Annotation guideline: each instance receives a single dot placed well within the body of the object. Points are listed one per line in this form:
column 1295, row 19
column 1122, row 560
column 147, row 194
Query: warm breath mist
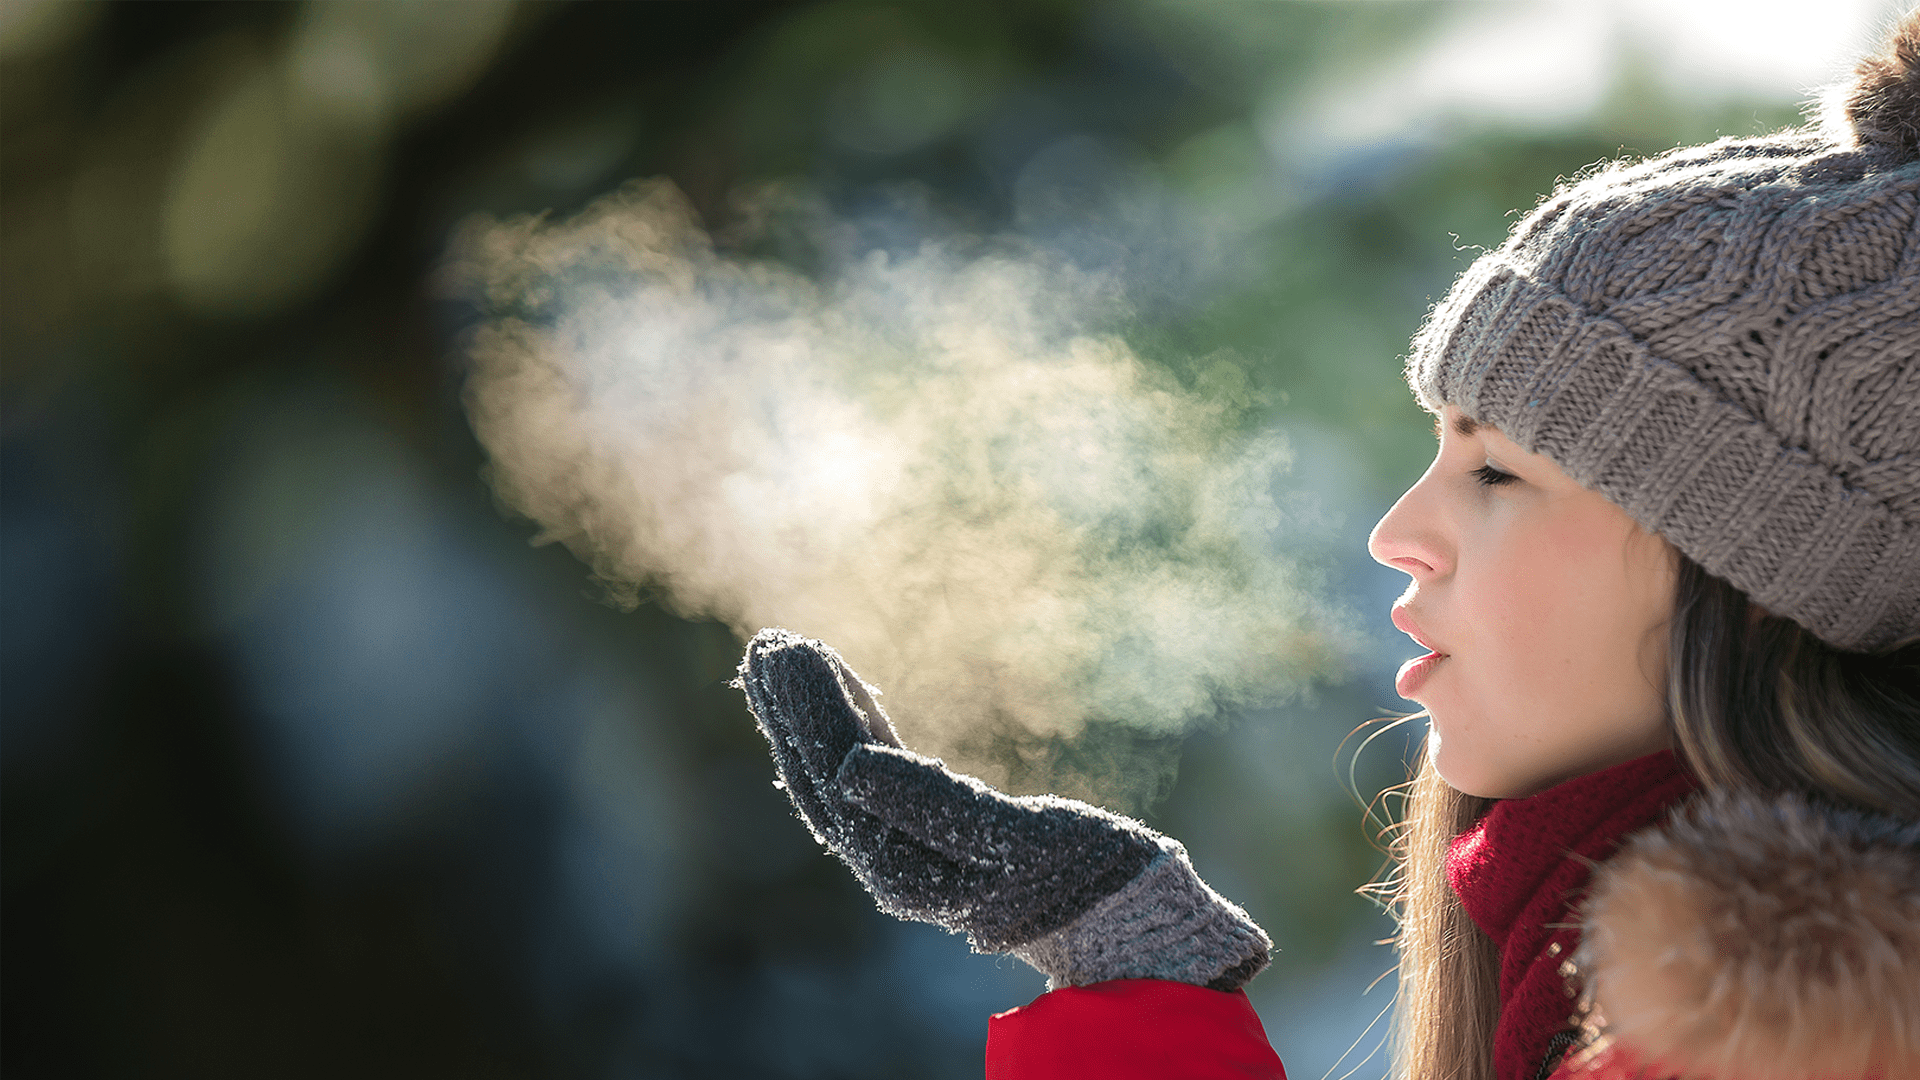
column 941, row 461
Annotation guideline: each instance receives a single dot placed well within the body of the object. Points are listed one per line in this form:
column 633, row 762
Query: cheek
column 1555, row 680
column 1554, row 610
column 1569, row 614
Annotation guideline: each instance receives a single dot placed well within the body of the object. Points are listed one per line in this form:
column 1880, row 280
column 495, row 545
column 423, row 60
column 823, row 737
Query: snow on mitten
column 1082, row 894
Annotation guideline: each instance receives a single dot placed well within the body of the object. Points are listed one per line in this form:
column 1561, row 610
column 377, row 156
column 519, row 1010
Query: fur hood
column 1759, row 941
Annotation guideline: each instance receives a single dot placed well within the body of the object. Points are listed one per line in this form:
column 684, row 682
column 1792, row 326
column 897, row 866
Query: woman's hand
column 1081, row 894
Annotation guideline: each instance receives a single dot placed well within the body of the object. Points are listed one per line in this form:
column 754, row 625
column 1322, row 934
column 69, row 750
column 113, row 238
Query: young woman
column 1667, row 567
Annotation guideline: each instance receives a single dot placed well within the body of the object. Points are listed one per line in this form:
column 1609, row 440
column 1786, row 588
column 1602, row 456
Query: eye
column 1488, row 476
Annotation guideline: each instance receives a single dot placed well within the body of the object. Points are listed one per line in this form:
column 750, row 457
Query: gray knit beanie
column 1725, row 341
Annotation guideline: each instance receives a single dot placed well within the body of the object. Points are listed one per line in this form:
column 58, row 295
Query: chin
column 1463, row 777
column 1470, row 786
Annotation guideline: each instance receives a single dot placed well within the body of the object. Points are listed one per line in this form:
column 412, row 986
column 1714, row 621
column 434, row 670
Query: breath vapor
column 936, row 455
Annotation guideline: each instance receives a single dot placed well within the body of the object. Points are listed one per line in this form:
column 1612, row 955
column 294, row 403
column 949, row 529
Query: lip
column 1414, row 673
column 1407, row 626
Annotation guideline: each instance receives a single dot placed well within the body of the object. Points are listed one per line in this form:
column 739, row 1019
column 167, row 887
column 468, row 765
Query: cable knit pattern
column 1722, row 340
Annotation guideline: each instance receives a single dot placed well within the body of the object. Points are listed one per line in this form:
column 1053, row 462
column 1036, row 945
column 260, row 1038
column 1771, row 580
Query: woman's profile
column 1666, row 568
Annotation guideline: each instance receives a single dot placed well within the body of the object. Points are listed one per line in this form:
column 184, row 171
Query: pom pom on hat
column 1883, row 104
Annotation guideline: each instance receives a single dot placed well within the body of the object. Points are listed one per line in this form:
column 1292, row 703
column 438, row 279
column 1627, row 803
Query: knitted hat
column 1725, row 341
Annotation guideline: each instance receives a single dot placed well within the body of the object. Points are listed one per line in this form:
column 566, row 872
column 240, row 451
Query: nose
column 1410, row 537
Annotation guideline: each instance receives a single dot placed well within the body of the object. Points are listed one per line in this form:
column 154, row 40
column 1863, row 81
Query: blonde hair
column 1756, row 703
column 1449, row 997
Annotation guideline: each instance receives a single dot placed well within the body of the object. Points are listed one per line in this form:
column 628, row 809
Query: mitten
column 1082, row 894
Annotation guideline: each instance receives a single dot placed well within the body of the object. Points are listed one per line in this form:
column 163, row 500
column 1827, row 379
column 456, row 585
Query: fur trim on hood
column 1760, row 941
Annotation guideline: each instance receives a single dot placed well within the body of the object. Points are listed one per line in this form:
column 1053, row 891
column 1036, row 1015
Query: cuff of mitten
column 1164, row 924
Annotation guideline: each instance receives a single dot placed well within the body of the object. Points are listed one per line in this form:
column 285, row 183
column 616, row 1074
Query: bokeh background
column 312, row 765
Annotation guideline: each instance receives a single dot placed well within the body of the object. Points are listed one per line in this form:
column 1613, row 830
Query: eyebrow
column 1463, row 425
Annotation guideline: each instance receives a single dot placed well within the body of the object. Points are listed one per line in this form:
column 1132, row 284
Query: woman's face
column 1545, row 609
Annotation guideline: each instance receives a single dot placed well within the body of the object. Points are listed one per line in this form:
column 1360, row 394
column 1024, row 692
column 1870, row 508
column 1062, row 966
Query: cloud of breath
column 934, row 460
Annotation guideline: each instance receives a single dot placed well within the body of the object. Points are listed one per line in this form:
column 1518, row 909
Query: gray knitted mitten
column 1081, row 894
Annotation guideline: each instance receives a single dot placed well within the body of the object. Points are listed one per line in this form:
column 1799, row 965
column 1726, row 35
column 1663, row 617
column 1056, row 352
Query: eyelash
column 1488, row 476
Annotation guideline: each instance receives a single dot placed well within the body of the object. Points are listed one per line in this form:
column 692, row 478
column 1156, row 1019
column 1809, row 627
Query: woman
column 1667, row 567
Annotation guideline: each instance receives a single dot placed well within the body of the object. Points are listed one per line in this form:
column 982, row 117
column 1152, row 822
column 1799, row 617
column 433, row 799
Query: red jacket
column 1665, row 922
column 1132, row 1028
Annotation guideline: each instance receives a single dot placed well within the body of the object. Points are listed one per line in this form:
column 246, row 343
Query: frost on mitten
column 1082, row 894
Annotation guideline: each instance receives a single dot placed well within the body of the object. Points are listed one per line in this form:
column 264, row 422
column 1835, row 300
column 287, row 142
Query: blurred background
column 311, row 763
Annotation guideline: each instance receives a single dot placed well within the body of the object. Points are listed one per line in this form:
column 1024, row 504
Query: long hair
column 1755, row 703
column 1759, row 705
column 1449, row 996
